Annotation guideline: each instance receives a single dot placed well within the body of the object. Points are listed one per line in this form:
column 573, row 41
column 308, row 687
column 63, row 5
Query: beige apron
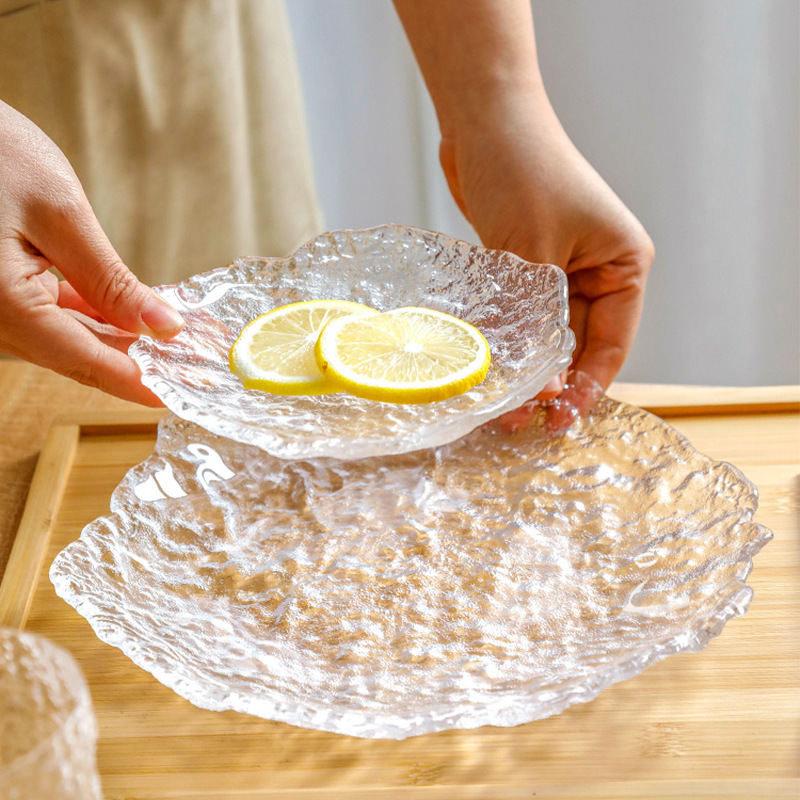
column 182, row 119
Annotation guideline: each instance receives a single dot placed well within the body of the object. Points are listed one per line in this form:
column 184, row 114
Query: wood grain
column 682, row 401
column 722, row 723
column 44, row 499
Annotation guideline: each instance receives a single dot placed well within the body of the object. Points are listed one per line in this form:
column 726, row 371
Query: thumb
column 70, row 237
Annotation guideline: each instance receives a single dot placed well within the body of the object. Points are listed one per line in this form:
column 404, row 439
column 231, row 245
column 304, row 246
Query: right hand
column 525, row 188
column 46, row 221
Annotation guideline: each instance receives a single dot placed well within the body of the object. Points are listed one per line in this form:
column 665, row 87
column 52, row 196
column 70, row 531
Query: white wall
column 690, row 109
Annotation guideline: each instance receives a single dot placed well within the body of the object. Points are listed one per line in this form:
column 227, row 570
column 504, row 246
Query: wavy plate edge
column 452, row 429
column 732, row 600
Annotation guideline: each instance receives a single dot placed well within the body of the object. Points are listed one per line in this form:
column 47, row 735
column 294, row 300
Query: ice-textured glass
column 490, row 581
column 47, row 728
column 520, row 308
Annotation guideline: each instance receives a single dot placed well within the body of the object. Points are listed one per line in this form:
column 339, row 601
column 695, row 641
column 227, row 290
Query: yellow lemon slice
column 407, row 355
column 275, row 352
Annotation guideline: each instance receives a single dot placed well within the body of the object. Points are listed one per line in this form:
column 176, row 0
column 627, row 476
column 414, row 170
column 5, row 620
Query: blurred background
column 690, row 110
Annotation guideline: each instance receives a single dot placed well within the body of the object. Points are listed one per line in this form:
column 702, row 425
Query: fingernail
column 160, row 317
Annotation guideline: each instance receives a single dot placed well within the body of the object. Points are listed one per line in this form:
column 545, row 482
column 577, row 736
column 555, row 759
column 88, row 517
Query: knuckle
column 609, row 279
column 613, row 352
column 61, row 203
column 647, row 253
column 607, row 355
column 53, row 209
column 79, row 373
column 21, row 297
column 629, row 275
column 89, row 371
column 119, row 287
column 69, row 201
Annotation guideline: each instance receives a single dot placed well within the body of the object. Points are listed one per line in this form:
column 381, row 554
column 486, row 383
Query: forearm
column 476, row 56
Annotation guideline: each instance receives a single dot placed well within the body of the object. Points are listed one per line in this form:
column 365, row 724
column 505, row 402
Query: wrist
column 494, row 102
column 508, row 118
column 474, row 54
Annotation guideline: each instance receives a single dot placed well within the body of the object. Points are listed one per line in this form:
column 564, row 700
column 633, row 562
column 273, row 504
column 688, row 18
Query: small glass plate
column 520, row 308
column 491, row 581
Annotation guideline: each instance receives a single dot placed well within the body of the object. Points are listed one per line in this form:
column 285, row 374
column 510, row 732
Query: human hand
column 525, row 188
column 82, row 326
column 523, row 185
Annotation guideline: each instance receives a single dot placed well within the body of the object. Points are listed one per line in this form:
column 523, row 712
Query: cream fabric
column 182, row 119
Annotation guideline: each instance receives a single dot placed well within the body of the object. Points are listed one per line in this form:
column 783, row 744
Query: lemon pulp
column 407, row 355
column 275, row 352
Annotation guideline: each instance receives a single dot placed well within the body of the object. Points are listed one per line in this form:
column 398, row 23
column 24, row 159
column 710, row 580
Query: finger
column 105, row 333
column 68, row 298
column 578, row 315
column 67, row 232
column 580, row 393
column 52, row 338
column 519, row 418
column 50, row 283
column 610, row 328
column 9, row 350
column 552, row 388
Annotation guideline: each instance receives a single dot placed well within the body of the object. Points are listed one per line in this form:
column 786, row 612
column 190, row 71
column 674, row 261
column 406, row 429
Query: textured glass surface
column 47, row 727
column 494, row 580
column 520, row 308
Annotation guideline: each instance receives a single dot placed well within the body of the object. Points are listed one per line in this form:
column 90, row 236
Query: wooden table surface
column 722, row 723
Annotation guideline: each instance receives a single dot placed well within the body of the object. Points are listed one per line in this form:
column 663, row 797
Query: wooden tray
column 722, row 723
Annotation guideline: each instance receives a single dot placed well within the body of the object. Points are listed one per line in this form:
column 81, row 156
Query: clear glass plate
column 520, row 308
column 491, row 581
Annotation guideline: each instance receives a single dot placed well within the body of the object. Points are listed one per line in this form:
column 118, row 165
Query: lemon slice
column 407, row 355
column 275, row 352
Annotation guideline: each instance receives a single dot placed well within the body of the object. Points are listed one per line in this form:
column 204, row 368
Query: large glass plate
column 520, row 308
column 491, row 581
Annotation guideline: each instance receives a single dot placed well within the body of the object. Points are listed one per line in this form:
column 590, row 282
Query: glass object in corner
column 47, row 727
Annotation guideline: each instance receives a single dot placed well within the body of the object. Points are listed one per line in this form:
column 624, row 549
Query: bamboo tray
column 722, row 723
